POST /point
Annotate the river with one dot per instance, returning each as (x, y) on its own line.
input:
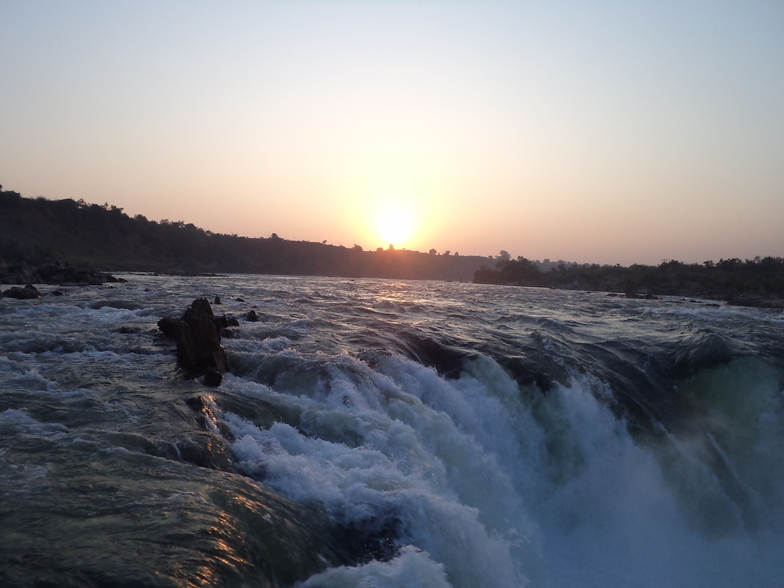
(391, 433)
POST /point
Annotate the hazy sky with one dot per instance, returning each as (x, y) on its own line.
(610, 132)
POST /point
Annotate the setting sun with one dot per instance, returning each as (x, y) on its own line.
(394, 225)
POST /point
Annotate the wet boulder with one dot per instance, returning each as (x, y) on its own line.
(198, 341)
(252, 316)
(224, 322)
(199, 351)
(169, 326)
(212, 377)
(29, 292)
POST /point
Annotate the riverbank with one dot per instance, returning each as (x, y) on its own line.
(755, 283)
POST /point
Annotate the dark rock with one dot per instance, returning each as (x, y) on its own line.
(169, 326)
(128, 330)
(198, 341)
(55, 274)
(212, 377)
(56, 293)
(240, 299)
(756, 302)
(206, 451)
(252, 316)
(196, 403)
(29, 292)
(206, 418)
(224, 322)
(217, 300)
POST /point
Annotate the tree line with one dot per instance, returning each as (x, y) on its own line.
(38, 231)
(752, 281)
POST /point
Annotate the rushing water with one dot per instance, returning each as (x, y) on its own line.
(387, 433)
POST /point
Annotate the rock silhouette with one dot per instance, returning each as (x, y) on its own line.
(29, 292)
(199, 351)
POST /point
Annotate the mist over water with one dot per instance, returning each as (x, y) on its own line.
(380, 433)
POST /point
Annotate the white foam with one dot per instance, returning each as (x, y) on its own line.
(17, 417)
(389, 456)
(411, 569)
(15, 373)
(615, 518)
(499, 487)
(273, 344)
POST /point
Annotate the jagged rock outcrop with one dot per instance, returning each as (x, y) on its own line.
(199, 351)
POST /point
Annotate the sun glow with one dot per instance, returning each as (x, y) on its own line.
(394, 224)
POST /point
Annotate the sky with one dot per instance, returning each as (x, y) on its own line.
(603, 131)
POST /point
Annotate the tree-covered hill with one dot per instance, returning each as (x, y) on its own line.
(753, 282)
(36, 231)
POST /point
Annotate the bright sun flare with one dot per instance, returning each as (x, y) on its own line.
(394, 225)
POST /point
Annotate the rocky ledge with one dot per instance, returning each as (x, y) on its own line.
(55, 275)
